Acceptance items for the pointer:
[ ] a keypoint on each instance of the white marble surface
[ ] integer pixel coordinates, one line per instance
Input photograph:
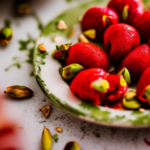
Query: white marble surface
(27, 111)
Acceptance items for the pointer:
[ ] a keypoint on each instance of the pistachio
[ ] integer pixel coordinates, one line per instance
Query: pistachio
(90, 33)
(125, 13)
(57, 39)
(5, 36)
(142, 110)
(71, 71)
(42, 48)
(101, 85)
(56, 138)
(147, 93)
(59, 130)
(46, 139)
(61, 25)
(23, 8)
(106, 21)
(130, 95)
(72, 146)
(46, 110)
(132, 103)
(123, 82)
(82, 38)
(126, 75)
(61, 51)
(18, 91)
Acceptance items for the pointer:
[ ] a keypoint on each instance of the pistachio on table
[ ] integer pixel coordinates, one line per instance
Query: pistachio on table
(46, 110)
(18, 91)
(59, 130)
(72, 146)
(6, 35)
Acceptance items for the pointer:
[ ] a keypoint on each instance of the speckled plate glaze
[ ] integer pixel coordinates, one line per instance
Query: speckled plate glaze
(46, 70)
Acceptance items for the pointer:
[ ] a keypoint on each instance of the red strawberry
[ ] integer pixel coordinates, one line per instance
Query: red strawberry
(120, 39)
(95, 85)
(98, 18)
(137, 61)
(143, 83)
(143, 26)
(81, 84)
(89, 56)
(128, 10)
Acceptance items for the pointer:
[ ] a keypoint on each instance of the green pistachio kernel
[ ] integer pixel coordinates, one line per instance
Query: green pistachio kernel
(90, 33)
(147, 93)
(71, 71)
(100, 85)
(132, 103)
(126, 75)
(6, 33)
(125, 13)
(123, 82)
(130, 95)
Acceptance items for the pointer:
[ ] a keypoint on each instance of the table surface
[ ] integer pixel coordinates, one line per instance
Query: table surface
(27, 111)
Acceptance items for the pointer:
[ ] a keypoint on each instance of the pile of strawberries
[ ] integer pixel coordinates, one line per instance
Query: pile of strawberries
(124, 28)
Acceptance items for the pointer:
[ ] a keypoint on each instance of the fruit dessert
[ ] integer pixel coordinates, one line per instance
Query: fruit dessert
(98, 18)
(128, 10)
(120, 39)
(143, 27)
(87, 68)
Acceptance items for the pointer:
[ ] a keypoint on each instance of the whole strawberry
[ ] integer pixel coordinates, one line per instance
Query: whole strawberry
(128, 10)
(81, 84)
(120, 39)
(98, 18)
(143, 87)
(96, 86)
(143, 26)
(137, 61)
(89, 56)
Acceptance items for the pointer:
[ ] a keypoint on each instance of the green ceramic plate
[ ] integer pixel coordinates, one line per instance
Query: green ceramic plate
(47, 75)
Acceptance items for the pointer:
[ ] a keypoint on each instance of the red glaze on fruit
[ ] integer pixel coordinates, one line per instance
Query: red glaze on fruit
(93, 19)
(116, 90)
(89, 56)
(143, 83)
(81, 85)
(136, 9)
(143, 26)
(137, 61)
(120, 39)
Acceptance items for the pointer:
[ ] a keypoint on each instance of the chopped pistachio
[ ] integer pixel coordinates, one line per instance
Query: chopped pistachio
(61, 25)
(82, 38)
(46, 110)
(126, 74)
(57, 39)
(91, 33)
(132, 103)
(101, 85)
(72, 146)
(6, 35)
(106, 21)
(46, 139)
(17, 91)
(56, 138)
(130, 95)
(42, 48)
(125, 13)
(71, 71)
(123, 82)
(142, 110)
(59, 130)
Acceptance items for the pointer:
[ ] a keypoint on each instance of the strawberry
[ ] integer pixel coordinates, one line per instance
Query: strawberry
(137, 61)
(143, 85)
(98, 18)
(128, 10)
(120, 39)
(89, 56)
(81, 84)
(95, 85)
(143, 26)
